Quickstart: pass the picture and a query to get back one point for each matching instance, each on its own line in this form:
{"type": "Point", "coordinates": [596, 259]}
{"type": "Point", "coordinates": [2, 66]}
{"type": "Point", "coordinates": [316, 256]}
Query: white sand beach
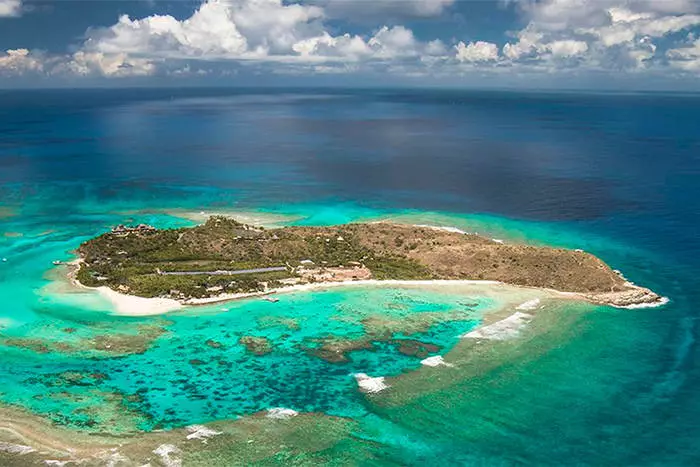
{"type": "Point", "coordinates": [333, 284]}
{"type": "Point", "coordinates": [131, 305]}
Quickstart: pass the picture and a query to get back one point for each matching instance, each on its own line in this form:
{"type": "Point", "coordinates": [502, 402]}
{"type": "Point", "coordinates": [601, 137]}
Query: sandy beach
{"type": "Point", "coordinates": [631, 296]}
{"type": "Point", "coordinates": [130, 305]}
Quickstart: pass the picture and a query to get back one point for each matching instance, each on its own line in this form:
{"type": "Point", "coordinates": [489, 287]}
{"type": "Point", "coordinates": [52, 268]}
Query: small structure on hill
{"type": "Point", "coordinates": [141, 228]}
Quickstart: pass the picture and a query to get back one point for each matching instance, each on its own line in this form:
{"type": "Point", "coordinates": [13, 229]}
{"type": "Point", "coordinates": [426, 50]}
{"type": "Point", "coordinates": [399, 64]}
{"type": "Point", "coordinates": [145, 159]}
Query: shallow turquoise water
{"type": "Point", "coordinates": [226, 381]}
{"type": "Point", "coordinates": [184, 380]}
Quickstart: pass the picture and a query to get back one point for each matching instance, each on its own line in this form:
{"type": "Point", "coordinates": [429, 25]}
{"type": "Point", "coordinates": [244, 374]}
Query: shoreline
{"type": "Point", "coordinates": [124, 304]}
{"type": "Point", "coordinates": [631, 297]}
{"type": "Point", "coordinates": [132, 305]}
{"type": "Point", "coordinates": [333, 284]}
{"type": "Point", "coordinates": [252, 217]}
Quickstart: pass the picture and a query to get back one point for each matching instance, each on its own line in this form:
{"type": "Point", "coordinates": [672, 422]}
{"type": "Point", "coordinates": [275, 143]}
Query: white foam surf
{"type": "Point", "coordinates": [507, 328]}
{"type": "Point", "coordinates": [529, 305]}
{"type": "Point", "coordinates": [280, 413]}
{"type": "Point", "coordinates": [661, 302]}
{"type": "Point", "coordinates": [370, 385]}
{"type": "Point", "coordinates": [201, 432]}
{"type": "Point", "coordinates": [444, 228]}
{"type": "Point", "coordinates": [437, 360]}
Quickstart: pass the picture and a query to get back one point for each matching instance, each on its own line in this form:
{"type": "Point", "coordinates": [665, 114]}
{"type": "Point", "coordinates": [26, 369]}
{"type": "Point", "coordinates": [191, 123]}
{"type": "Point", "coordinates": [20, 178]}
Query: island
{"type": "Point", "coordinates": [224, 259]}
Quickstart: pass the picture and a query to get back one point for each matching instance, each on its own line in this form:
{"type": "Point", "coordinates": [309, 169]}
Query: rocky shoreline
{"type": "Point", "coordinates": [634, 297]}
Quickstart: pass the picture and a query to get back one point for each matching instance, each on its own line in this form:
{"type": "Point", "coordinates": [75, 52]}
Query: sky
{"type": "Point", "coordinates": [621, 44]}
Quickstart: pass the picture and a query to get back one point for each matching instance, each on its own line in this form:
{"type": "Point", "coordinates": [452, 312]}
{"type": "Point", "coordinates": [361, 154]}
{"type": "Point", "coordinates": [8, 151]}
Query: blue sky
{"type": "Point", "coordinates": [625, 44]}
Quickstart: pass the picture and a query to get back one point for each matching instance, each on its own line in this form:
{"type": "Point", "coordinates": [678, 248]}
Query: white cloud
{"type": "Point", "coordinates": [561, 15]}
{"type": "Point", "coordinates": [567, 48]}
{"type": "Point", "coordinates": [295, 37]}
{"type": "Point", "coordinates": [687, 57]}
{"type": "Point", "coordinates": [382, 9]}
{"type": "Point", "coordinates": [247, 30]}
{"type": "Point", "coordinates": [623, 15]}
{"type": "Point", "coordinates": [273, 27]}
{"type": "Point", "coordinates": [601, 34]}
{"type": "Point", "coordinates": [642, 51]}
{"type": "Point", "coordinates": [435, 48]}
{"type": "Point", "coordinates": [393, 42]}
{"type": "Point", "coordinates": [235, 29]}
{"type": "Point", "coordinates": [108, 65]}
{"type": "Point", "coordinates": [348, 47]}
{"type": "Point", "coordinates": [19, 62]}
{"type": "Point", "coordinates": [238, 30]}
{"type": "Point", "coordinates": [478, 51]}
{"type": "Point", "coordinates": [10, 8]}
{"type": "Point", "coordinates": [629, 29]}
{"type": "Point", "coordinates": [429, 7]}
{"type": "Point", "coordinates": [529, 44]}
{"type": "Point", "coordinates": [387, 44]}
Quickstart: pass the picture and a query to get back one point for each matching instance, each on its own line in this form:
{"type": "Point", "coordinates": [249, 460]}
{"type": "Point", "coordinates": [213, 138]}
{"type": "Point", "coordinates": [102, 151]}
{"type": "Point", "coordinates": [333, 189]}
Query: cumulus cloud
{"type": "Point", "coordinates": [238, 30]}
{"type": "Point", "coordinates": [599, 33]}
{"type": "Point", "coordinates": [19, 62]}
{"type": "Point", "coordinates": [560, 15]}
{"type": "Point", "coordinates": [351, 48]}
{"type": "Point", "coordinates": [386, 44]}
{"type": "Point", "coordinates": [108, 65]}
{"type": "Point", "coordinates": [394, 42]}
{"type": "Point", "coordinates": [476, 51]}
{"type": "Point", "coordinates": [627, 26]}
{"type": "Point", "coordinates": [303, 37]}
{"type": "Point", "coordinates": [383, 9]}
{"type": "Point", "coordinates": [235, 29]}
{"type": "Point", "coordinates": [529, 44]}
{"type": "Point", "coordinates": [567, 48]}
{"type": "Point", "coordinates": [10, 8]}
{"type": "Point", "coordinates": [245, 30]}
{"type": "Point", "coordinates": [686, 57]}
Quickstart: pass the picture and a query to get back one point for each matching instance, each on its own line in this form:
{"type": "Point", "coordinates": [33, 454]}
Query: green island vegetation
{"type": "Point", "coordinates": [224, 256]}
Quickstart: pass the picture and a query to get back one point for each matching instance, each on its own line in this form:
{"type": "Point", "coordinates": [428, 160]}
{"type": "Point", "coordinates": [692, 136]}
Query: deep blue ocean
{"type": "Point", "coordinates": [616, 174]}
